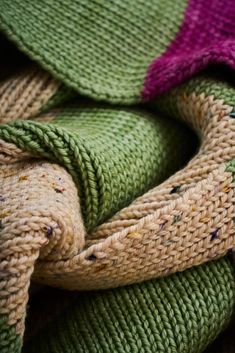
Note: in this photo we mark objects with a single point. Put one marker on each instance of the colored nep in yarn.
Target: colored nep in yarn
(113, 154)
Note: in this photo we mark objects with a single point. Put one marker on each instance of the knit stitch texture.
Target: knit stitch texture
(97, 143)
(92, 221)
(101, 49)
(181, 313)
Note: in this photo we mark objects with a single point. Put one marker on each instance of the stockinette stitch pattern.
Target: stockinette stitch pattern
(105, 69)
(122, 51)
(180, 313)
(95, 143)
(225, 342)
(188, 219)
(28, 92)
(101, 49)
(55, 241)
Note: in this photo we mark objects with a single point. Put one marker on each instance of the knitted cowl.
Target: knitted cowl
(85, 45)
(113, 154)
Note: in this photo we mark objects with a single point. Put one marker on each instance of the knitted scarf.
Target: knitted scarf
(90, 197)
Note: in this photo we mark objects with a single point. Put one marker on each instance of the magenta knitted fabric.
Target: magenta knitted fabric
(206, 36)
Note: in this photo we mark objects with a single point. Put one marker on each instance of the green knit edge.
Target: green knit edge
(10, 341)
(55, 143)
(48, 141)
(181, 313)
(126, 91)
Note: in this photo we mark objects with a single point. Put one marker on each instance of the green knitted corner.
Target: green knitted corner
(10, 341)
(100, 48)
(181, 313)
(113, 154)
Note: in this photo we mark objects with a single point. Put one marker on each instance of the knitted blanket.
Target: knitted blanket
(90, 194)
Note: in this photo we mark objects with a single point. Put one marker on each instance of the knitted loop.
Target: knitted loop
(39, 211)
(185, 221)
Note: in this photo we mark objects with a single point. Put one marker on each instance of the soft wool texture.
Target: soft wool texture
(180, 313)
(101, 49)
(40, 213)
(93, 221)
(96, 143)
(225, 342)
(28, 92)
(17, 177)
(189, 217)
(122, 51)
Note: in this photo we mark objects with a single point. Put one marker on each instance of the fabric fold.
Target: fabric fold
(113, 154)
(92, 195)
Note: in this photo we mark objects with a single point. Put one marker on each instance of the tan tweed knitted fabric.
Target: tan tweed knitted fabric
(159, 233)
(171, 227)
(91, 195)
(164, 231)
(31, 209)
(24, 94)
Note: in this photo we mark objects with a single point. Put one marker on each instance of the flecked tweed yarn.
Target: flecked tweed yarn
(95, 143)
(81, 206)
(188, 219)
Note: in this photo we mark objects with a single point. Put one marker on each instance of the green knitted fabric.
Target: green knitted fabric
(182, 313)
(100, 48)
(10, 341)
(113, 154)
